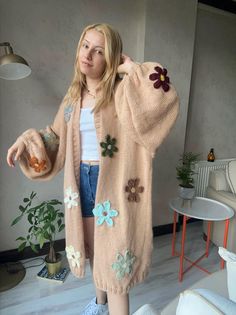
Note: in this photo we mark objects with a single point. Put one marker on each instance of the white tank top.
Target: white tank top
(88, 136)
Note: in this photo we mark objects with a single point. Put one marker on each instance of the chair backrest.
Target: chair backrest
(231, 176)
(218, 180)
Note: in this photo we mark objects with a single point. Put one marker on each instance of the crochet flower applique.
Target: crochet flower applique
(124, 264)
(37, 165)
(67, 112)
(134, 190)
(70, 198)
(109, 146)
(161, 78)
(50, 140)
(104, 213)
(73, 255)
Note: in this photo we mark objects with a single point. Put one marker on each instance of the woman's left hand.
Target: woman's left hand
(126, 64)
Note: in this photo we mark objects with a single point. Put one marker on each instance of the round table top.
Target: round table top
(202, 208)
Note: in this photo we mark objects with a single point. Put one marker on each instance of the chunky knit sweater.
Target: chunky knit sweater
(129, 131)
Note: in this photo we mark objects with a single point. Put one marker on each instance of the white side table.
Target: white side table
(203, 209)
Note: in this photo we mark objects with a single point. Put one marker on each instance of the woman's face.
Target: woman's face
(92, 61)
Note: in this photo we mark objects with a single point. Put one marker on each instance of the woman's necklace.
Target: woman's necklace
(89, 93)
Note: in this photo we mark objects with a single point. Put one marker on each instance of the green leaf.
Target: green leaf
(30, 217)
(20, 238)
(31, 228)
(41, 241)
(55, 202)
(22, 247)
(59, 222)
(17, 220)
(54, 216)
(61, 227)
(52, 228)
(46, 235)
(26, 200)
(37, 207)
(46, 226)
(33, 246)
(22, 209)
(61, 215)
(33, 194)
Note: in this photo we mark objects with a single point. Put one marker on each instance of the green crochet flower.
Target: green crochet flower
(109, 146)
(124, 264)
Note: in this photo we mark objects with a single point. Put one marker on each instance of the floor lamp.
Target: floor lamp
(12, 67)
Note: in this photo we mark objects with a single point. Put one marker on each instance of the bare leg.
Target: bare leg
(118, 304)
(89, 239)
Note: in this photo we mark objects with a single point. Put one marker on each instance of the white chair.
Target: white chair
(222, 187)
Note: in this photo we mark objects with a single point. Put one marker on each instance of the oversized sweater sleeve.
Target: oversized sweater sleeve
(44, 154)
(147, 105)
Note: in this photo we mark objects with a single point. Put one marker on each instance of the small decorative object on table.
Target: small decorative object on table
(45, 220)
(185, 173)
(58, 277)
(211, 156)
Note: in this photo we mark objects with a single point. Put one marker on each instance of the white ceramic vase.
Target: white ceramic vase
(186, 193)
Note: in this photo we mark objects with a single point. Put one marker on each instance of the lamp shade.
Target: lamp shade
(13, 67)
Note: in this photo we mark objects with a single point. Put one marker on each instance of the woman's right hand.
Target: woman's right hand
(15, 151)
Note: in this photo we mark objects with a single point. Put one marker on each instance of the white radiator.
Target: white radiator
(201, 178)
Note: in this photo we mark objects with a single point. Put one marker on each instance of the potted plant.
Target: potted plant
(45, 220)
(185, 173)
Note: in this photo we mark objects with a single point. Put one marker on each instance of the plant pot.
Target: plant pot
(186, 193)
(54, 268)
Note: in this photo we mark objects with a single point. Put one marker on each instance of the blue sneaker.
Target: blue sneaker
(95, 309)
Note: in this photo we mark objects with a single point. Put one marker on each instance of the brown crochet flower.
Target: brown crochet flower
(161, 78)
(134, 189)
(36, 165)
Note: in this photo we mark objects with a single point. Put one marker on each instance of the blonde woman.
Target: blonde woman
(105, 135)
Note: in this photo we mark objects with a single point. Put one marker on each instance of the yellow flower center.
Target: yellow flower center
(162, 77)
(133, 190)
(109, 146)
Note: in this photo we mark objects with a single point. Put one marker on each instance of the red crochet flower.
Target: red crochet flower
(161, 79)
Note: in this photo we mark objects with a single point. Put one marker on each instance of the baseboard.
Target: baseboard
(59, 245)
(14, 255)
(164, 229)
(190, 220)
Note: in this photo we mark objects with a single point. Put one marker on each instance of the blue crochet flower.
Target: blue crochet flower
(104, 213)
(67, 112)
(124, 264)
(50, 140)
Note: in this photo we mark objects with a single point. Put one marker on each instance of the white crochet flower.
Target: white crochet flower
(70, 198)
(73, 256)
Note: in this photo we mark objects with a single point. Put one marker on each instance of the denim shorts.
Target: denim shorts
(88, 187)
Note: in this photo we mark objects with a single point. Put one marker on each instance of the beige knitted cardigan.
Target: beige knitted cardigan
(129, 130)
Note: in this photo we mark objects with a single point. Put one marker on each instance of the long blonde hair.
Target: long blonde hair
(113, 51)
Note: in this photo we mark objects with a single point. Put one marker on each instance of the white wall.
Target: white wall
(170, 31)
(212, 108)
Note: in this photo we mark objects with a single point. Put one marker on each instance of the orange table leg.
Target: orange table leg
(182, 250)
(174, 234)
(208, 237)
(222, 263)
